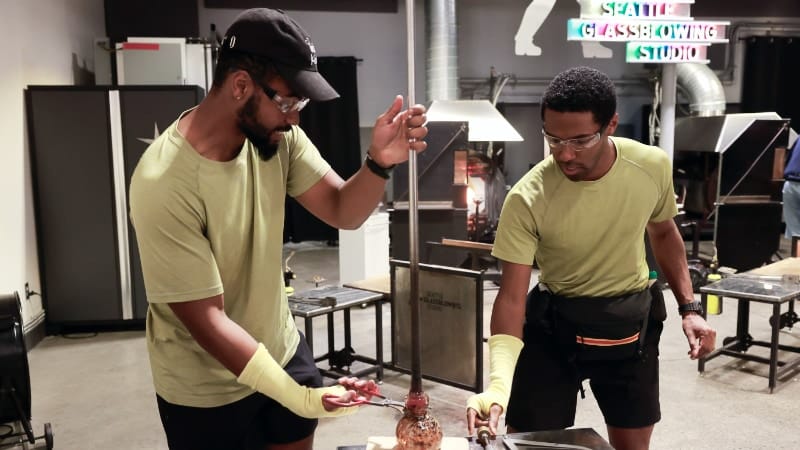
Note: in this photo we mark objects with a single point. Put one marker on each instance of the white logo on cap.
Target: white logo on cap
(313, 52)
(232, 42)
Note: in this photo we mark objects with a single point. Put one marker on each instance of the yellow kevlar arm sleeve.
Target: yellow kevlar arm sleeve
(263, 374)
(504, 350)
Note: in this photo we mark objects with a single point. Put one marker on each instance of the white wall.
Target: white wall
(43, 40)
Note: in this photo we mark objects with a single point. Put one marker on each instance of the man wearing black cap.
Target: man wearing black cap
(230, 368)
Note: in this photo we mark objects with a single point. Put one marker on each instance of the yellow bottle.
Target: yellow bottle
(713, 302)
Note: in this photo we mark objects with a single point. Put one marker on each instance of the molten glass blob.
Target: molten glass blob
(417, 429)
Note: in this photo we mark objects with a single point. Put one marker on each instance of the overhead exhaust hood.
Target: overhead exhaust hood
(730, 170)
(716, 134)
(485, 122)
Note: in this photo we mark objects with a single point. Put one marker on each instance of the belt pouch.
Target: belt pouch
(602, 328)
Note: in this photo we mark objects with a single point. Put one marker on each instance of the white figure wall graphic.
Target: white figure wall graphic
(532, 20)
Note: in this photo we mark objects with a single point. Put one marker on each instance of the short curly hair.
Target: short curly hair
(582, 89)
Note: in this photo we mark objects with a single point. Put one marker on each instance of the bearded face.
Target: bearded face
(263, 138)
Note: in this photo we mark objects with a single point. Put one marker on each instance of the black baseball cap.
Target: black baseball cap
(272, 34)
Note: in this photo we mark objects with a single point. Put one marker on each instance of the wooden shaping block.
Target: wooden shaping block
(389, 443)
(787, 266)
(468, 244)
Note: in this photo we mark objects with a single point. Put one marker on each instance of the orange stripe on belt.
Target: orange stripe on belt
(606, 342)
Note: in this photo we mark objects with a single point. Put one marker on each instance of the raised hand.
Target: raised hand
(396, 132)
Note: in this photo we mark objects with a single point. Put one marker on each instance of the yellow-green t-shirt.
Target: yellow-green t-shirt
(588, 236)
(205, 228)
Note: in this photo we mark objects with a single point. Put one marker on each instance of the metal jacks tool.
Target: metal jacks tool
(321, 301)
(511, 444)
(485, 438)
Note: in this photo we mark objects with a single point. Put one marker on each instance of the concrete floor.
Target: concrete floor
(96, 390)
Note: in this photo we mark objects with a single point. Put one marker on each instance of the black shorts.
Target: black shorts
(545, 387)
(250, 423)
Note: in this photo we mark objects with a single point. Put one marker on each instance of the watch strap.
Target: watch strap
(383, 172)
(694, 306)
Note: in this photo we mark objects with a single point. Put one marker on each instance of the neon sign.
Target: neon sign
(653, 52)
(654, 10)
(626, 30)
(655, 31)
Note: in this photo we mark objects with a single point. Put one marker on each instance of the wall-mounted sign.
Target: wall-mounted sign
(655, 31)
(654, 10)
(655, 52)
(651, 30)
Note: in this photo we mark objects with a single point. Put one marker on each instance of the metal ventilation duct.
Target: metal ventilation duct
(442, 68)
(703, 88)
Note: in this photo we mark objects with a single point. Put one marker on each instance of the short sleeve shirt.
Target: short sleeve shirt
(206, 228)
(588, 236)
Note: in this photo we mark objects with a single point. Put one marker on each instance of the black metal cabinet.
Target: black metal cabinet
(85, 143)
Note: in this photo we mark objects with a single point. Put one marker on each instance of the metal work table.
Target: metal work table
(766, 284)
(316, 302)
(572, 439)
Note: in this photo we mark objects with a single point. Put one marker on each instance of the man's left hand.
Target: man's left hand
(396, 132)
(700, 335)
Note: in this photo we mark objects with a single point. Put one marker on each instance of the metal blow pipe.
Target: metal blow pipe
(413, 219)
(669, 79)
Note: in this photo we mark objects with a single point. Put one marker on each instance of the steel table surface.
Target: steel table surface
(763, 285)
(584, 437)
(303, 305)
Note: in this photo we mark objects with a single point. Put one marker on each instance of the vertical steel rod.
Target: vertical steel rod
(413, 220)
(669, 82)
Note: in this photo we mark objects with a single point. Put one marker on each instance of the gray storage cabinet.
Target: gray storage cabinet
(85, 143)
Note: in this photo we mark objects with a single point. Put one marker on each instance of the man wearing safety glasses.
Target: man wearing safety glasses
(582, 213)
(231, 370)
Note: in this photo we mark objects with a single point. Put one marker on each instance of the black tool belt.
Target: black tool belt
(597, 328)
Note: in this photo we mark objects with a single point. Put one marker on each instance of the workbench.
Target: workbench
(774, 284)
(572, 439)
(326, 301)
